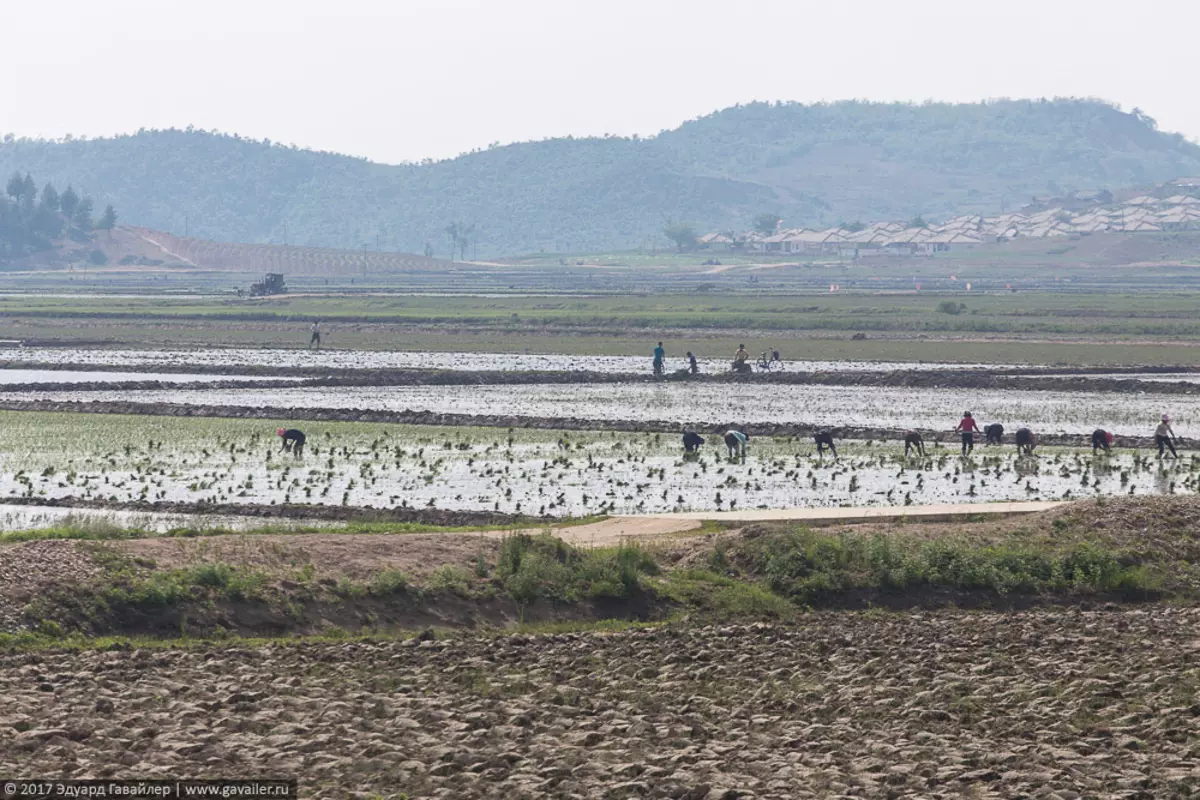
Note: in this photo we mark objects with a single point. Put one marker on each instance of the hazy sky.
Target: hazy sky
(397, 80)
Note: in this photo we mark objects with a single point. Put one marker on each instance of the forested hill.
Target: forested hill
(813, 165)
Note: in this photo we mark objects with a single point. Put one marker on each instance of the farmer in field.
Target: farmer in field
(994, 433)
(693, 367)
(1101, 440)
(967, 427)
(1026, 441)
(1165, 437)
(735, 442)
(913, 441)
(824, 439)
(293, 440)
(660, 355)
(316, 334)
(740, 358)
(692, 441)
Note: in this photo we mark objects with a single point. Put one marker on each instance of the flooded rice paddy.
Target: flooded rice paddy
(1045, 412)
(126, 459)
(369, 359)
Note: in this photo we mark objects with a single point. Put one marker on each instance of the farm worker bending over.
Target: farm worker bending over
(316, 334)
(736, 442)
(824, 439)
(1026, 441)
(1101, 440)
(967, 427)
(1164, 437)
(292, 440)
(693, 367)
(913, 441)
(994, 433)
(659, 355)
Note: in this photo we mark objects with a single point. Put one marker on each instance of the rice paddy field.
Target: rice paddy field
(280, 358)
(123, 459)
(1047, 655)
(1044, 412)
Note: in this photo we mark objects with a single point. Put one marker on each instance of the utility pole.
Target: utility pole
(185, 226)
(285, 237)
(364, 269)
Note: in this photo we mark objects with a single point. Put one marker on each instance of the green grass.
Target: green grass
(542, 567)
(809, 566)
(90, 529)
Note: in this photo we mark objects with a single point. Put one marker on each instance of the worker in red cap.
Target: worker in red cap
(293, 440)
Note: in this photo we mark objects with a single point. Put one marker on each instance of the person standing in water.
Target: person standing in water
(316, 334)
(693, 367)
(660, 356)
(967, 427)
(1164, 437)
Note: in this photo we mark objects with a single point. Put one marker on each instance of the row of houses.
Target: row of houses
(1138, 215)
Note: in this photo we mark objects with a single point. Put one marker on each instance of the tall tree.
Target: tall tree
(109, 220)
(452, 230)
(766, 224)
(16, 187)
(83, 214)
(69, 202)
(50, 197)
(465, 232)
(684, 236)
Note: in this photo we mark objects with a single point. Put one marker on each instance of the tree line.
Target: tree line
(31, 220)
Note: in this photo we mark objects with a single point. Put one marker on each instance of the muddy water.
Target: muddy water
(367, 359)
(1047, 413)
(547, 474)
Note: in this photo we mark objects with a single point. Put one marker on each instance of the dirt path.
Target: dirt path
(817, 516)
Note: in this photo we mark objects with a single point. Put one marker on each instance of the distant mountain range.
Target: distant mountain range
(813, 165)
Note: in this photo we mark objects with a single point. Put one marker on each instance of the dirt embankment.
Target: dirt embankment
(292, 511)
(536, 423)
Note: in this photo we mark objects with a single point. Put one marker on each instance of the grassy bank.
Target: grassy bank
(1141, 550)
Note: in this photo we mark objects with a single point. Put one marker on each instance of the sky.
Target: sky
(404, 80)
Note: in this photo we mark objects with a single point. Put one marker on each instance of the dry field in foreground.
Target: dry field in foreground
(1044, 703)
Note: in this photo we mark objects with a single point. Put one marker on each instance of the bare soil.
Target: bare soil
(1047, 704)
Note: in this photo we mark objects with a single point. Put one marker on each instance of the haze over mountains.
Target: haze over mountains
(813, 165)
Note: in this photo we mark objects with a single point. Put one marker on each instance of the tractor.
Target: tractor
(272, 283)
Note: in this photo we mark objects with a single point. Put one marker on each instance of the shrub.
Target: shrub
(98, 258)
(451, 578)
(388, 582)
(951, 307)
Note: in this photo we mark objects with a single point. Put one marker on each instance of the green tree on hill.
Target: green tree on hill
(766, 223)
(109, 220)
(82, 218)
(684, 236)
(15, 188)
(50, 199)
(69, 202)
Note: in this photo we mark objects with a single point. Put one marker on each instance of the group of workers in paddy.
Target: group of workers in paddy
(768, 361)
(736, 440)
